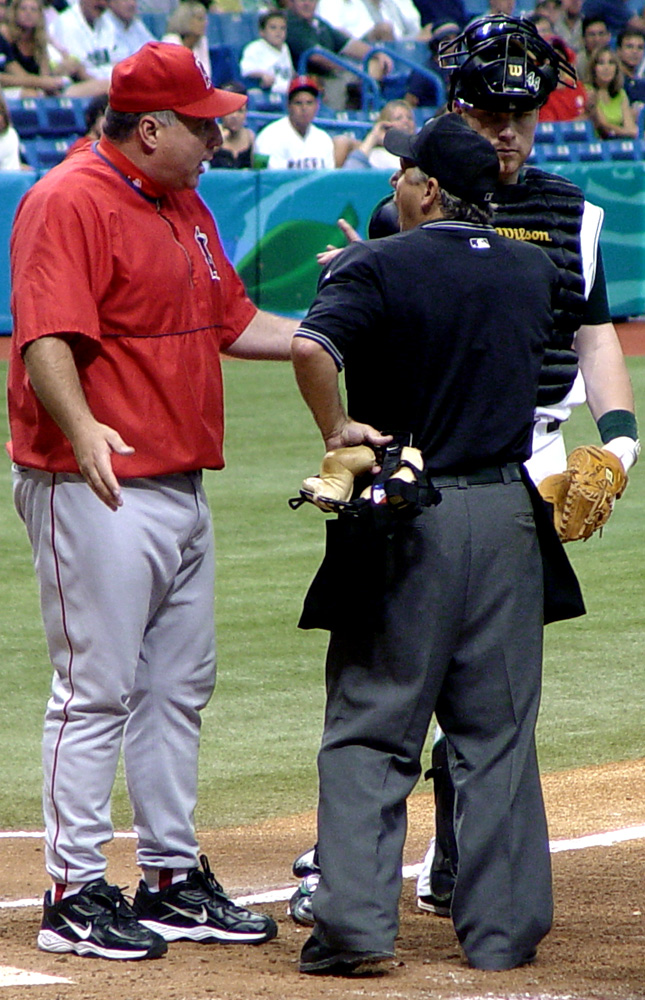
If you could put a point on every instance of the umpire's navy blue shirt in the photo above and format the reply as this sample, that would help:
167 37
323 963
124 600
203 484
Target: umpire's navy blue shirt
441 332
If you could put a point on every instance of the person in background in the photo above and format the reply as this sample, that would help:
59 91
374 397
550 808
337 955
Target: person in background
609 107
236 150
267 60
438 11
568 24
129 30
498 7
542 23
9 140
84 33
294 142
371 153
94 118
305 30
421 90
549 9
617 14
565 103
630 49
375 20
187 26
595 33
33 67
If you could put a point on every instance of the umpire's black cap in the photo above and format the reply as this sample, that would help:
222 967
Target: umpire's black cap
463 161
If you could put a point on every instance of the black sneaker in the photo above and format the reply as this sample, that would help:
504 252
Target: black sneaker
300 908
318 959
97 921
439 905
199 910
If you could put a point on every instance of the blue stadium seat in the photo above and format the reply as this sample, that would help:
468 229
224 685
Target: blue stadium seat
213 33
224 64
394 86
423 114
262 100
476 8
156 23
547 132
236 30
26 116
45 153
63 116
591 152
52 151
411 49
557 152
580 130
623 149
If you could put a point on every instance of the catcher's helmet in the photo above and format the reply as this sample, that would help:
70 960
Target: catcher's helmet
501 63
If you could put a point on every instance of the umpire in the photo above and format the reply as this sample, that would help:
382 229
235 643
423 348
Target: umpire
456 625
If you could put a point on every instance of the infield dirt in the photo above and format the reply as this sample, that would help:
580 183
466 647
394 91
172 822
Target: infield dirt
596 950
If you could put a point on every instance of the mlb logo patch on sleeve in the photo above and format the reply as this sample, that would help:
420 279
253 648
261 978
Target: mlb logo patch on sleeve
479 243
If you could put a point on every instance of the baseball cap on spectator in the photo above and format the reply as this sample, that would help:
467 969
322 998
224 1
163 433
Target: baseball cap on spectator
162 76
462 161
446 29
303 83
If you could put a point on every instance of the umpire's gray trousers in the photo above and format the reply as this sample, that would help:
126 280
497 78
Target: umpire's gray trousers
463 637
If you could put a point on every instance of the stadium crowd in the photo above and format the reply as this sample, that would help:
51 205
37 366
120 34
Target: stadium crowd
68 48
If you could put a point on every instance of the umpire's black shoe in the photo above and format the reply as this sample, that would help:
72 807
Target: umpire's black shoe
97 921
199 910
320 960
439 905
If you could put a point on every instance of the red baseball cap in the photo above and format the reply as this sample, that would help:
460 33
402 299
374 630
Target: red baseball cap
303 83
164 76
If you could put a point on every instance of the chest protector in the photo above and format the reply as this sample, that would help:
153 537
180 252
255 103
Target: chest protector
546 210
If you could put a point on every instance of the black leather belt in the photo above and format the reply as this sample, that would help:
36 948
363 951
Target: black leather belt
480 477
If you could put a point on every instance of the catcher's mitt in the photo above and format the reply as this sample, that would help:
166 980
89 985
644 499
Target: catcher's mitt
583 496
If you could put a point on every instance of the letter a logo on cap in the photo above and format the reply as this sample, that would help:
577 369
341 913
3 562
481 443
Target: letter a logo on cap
202 70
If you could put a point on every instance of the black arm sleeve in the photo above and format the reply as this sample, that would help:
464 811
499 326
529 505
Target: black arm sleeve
596 309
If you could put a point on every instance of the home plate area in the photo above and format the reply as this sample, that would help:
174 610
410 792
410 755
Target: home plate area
595 951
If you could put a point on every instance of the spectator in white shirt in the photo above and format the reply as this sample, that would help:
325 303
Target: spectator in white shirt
187 26
84 32
9 141
375 20
129 30
294 142
267 59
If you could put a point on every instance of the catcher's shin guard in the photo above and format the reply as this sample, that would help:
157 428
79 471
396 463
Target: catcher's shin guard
443 871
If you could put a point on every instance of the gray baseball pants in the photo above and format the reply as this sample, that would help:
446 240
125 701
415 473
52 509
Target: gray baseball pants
462 636
127 605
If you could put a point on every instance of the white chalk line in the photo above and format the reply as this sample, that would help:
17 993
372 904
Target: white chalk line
409 871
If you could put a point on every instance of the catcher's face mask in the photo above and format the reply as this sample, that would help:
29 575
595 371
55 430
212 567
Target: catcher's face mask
501 63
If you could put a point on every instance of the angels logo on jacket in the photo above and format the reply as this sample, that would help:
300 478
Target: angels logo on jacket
202 242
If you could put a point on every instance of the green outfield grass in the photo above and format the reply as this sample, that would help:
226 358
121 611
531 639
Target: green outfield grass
262 728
